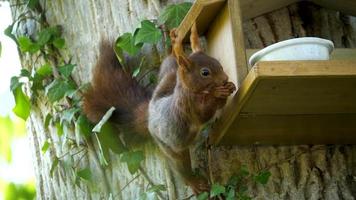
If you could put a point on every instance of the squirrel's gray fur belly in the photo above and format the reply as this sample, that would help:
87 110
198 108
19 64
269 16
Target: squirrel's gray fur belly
167 127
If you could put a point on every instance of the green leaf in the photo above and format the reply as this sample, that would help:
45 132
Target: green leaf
59 128
133 160
203 196
8 33
25 73
103 120
26 45
66 70
84 174
173 15
127 43
68 114
102 158
54 166
119 54
23 106
48 34
45 147
33 4
136 72
138 69
110 140
148 33
47 120
216 189
0 49
157 188
153 79
57 90
15 83
84 125
45 70
59 43
231 194
262 177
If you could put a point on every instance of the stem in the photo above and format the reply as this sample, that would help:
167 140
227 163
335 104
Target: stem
148 179
127 184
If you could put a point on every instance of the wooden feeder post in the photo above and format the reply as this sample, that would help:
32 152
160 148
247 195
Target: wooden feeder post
280 102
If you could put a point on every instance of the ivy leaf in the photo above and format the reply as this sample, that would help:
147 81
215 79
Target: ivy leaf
119 54
25 73
216 189
45 147
84 174
127 43
66 70
54 166
59 43
173 15
157 188
14 83
33 4
47 120
68 114
84 125
26 45
203 196
23 106
133 160
109 140
45 70
8 33
148 33
59 128
153 79
262 177
48 34
231 194
57 90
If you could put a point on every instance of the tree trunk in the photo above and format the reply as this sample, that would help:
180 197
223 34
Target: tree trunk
298 172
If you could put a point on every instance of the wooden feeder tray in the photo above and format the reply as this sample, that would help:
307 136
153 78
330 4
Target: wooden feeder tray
294 102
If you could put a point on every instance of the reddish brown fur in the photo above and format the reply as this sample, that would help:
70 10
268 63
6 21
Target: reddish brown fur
111 86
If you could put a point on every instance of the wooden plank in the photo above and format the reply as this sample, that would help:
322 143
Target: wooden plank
254 8
292 130
335 80
238 39
303 95
203 13
220 44
345 6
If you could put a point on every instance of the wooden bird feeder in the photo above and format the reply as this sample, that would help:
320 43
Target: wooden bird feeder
279 102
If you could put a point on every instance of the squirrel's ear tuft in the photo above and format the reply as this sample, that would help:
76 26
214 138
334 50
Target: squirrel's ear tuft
184 62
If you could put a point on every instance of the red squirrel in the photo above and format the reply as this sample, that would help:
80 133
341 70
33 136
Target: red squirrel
190 91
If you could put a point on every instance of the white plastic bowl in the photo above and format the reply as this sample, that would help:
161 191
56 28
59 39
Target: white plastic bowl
306 48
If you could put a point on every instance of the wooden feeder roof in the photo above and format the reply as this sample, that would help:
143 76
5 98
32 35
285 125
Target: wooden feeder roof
205 11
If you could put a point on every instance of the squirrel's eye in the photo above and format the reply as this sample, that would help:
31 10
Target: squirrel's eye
205 71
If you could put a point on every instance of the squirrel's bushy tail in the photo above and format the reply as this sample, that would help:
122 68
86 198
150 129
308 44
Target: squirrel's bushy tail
112 86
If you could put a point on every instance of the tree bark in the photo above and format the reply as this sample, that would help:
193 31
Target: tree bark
298 172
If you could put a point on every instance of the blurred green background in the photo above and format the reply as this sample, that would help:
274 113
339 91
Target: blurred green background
16 170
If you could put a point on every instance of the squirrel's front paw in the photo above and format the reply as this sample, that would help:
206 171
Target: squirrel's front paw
224 91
